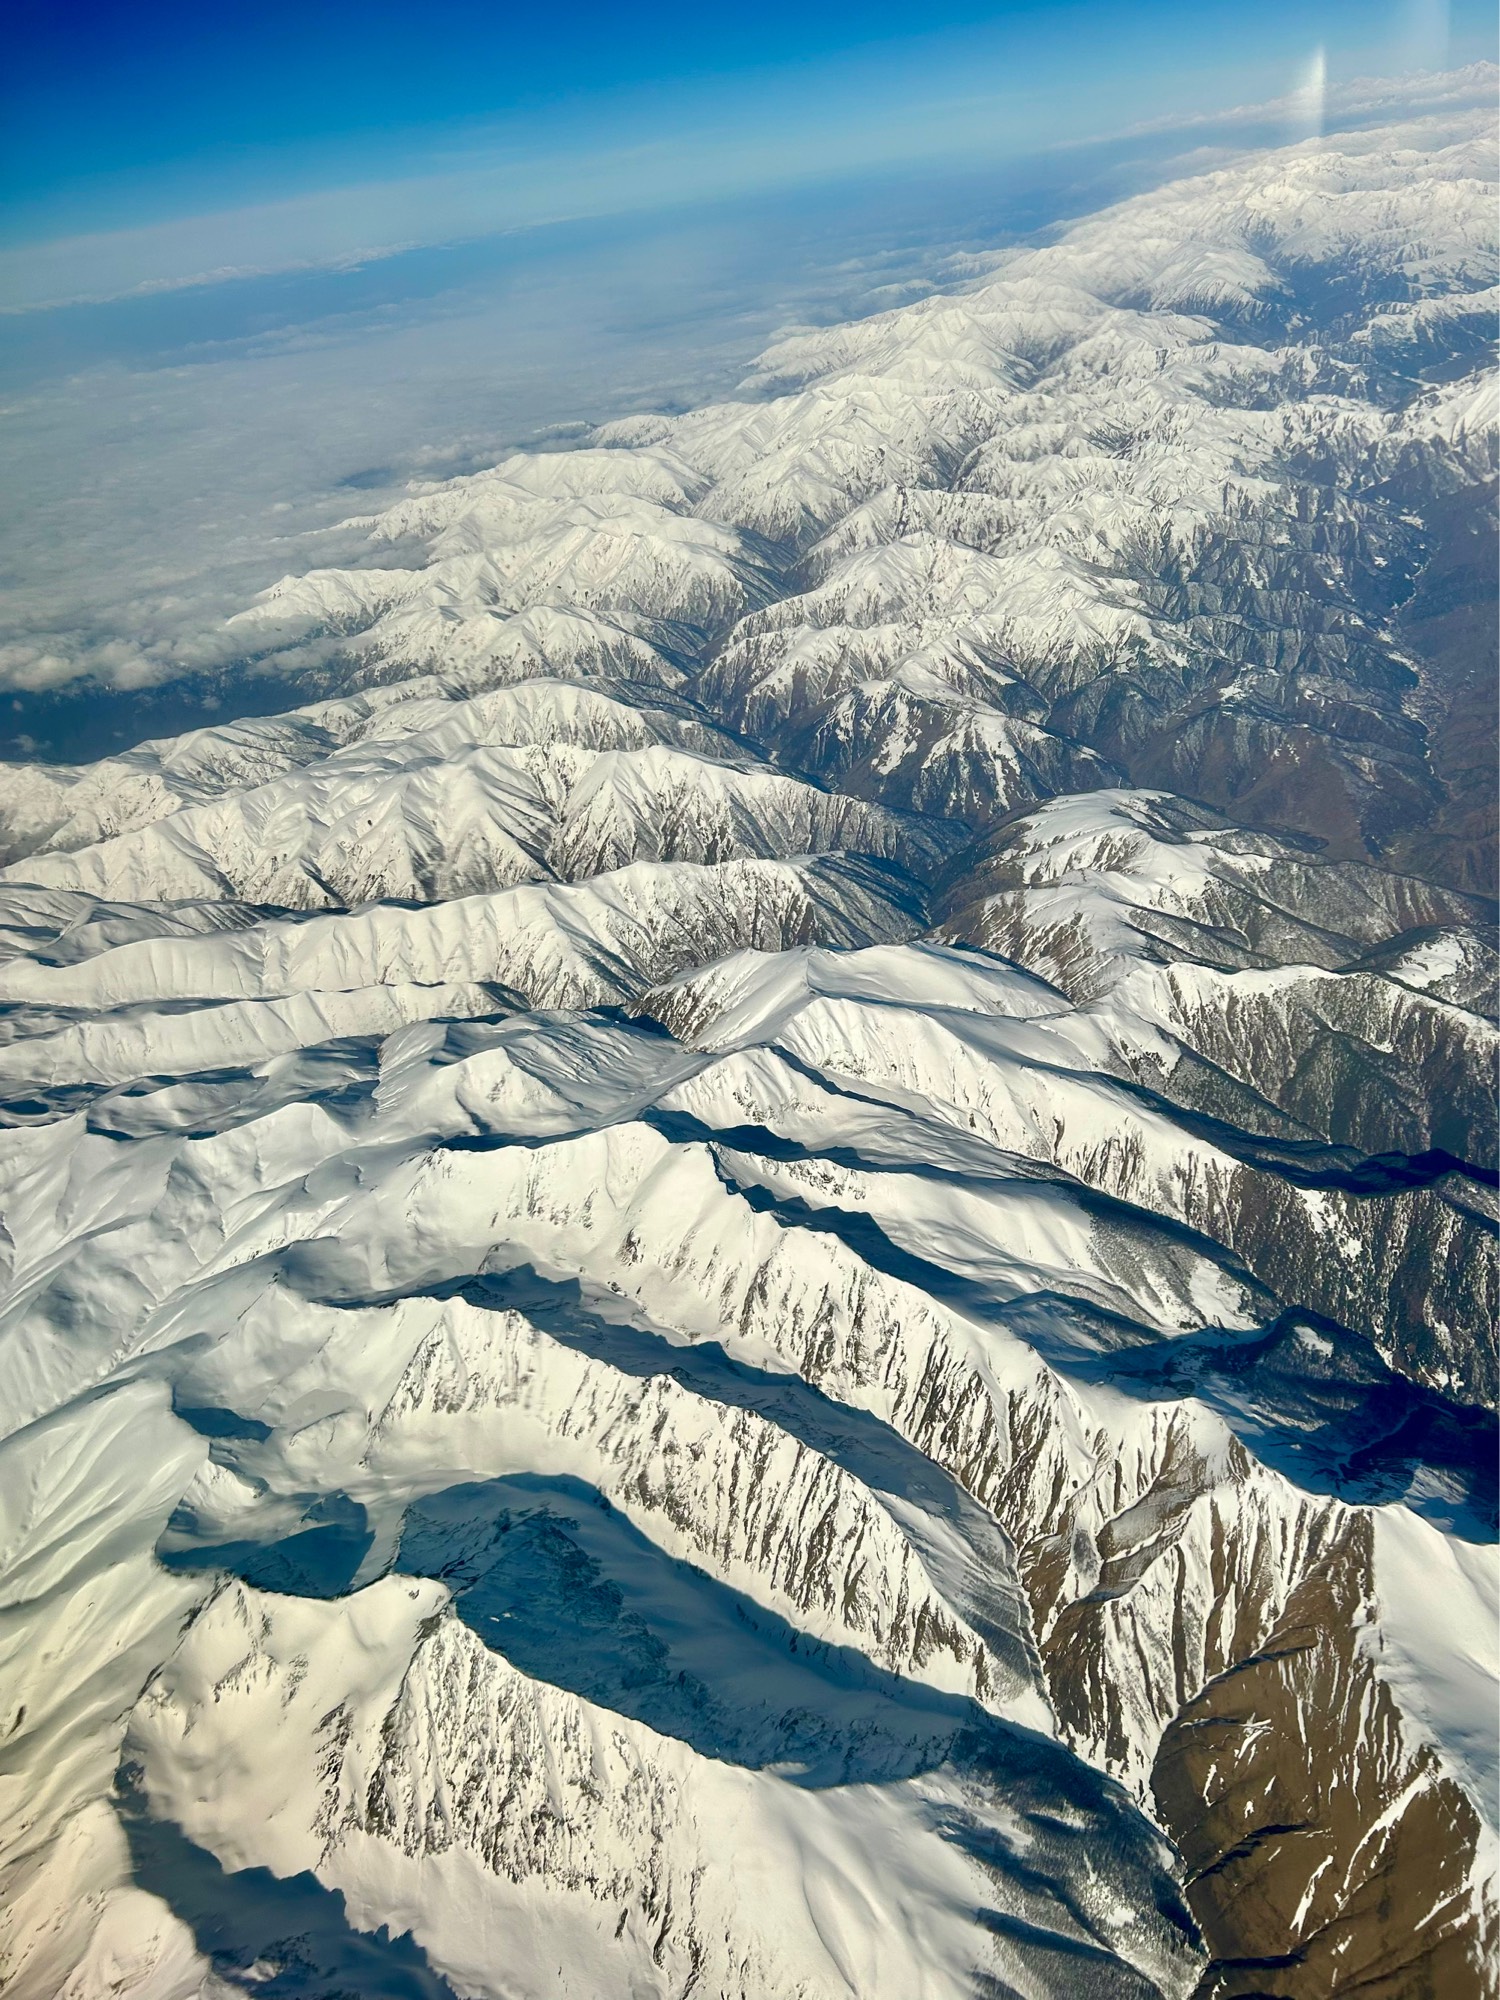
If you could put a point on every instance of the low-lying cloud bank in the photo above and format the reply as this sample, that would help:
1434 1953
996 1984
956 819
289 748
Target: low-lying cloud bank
172 454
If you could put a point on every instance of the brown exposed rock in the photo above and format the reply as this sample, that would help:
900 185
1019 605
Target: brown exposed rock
1324 1854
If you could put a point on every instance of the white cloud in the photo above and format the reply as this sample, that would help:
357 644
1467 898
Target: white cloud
944 111
1346 106
973 95
144 503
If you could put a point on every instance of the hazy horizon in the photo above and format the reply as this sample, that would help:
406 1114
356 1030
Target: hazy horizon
176 432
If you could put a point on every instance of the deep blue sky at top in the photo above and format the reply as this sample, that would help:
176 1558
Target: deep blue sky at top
258 254
116 116
95 89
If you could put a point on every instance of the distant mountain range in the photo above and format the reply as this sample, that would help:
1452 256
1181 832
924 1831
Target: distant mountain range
763 1263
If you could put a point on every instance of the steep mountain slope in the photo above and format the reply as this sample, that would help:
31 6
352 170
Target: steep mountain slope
764 1262
395 823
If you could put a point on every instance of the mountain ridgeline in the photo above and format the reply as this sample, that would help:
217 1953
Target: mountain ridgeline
761 1263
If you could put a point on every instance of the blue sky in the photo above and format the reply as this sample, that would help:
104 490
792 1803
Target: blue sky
259 266
166 143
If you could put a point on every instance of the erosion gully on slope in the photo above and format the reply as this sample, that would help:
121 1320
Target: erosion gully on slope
762 1262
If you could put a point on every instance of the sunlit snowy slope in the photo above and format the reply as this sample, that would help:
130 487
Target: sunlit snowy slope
762 1262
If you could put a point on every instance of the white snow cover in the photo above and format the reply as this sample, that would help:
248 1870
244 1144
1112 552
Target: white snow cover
1437 1612
576 1370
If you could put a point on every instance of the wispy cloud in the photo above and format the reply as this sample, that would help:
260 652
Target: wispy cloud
982 95
1361 101
493 183
145 503
89 248
168 470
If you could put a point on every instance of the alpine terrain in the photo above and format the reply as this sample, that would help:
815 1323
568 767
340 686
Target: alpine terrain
755 1256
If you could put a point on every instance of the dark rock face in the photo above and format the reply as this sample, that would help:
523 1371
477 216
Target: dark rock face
799 1188
1361 1884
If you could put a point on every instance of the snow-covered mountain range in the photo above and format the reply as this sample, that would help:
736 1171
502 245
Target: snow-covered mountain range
762 1262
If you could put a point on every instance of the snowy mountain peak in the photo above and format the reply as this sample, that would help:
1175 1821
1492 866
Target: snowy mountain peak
760 1259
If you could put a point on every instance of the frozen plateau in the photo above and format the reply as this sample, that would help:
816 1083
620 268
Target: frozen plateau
755 1258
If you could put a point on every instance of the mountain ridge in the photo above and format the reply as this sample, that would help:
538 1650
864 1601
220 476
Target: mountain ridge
763 1260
